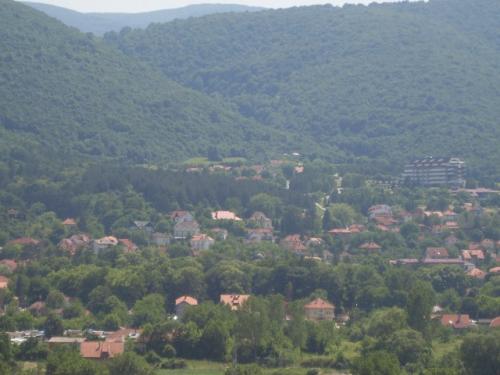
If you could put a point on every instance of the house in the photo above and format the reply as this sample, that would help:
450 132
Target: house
69 223
319 309
436 253
457 321
144 226
379 210
225 215
495 323
160 239
104 243
477 273
294 244
101 349
342 233
234 301
180 216
186 229
201 242
4 282
220 233
473 256
9 263
128 246
370 246
314 242
74 243
12 213
494 270
258 235
182 303
259 220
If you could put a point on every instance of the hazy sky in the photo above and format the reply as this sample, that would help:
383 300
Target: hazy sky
146 5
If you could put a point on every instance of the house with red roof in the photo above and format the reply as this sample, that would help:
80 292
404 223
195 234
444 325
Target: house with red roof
294 244
182 303
234 301
495 323
370 246
456 321
101 350
128 245
201 242
4 282
476 273
473 256
319 309
11 264
69 223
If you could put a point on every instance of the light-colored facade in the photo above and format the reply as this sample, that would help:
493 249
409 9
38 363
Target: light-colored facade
431 171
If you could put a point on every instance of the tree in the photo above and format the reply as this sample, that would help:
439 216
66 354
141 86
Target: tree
150 309
214 341
67 361
409 346
327 220
53 326
377 363
420 302
480 353
129 363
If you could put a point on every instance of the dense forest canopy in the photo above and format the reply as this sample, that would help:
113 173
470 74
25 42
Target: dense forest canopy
385 81
67 93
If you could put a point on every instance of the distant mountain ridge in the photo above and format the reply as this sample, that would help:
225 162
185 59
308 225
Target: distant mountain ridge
100 23
387 82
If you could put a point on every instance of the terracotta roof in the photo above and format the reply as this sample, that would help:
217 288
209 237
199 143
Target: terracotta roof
476 273
201 237
457 321
9 263
235 301
370 246
101 349
122 334
69 222
4 282
494 270
225 215
495 323
130 247
469 254
318 304
186 299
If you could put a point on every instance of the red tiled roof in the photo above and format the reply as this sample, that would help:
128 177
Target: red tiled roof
4 282
186 299
235 301
130 247
457 321
370 246
495 323
318 304
469 254
9 263
494 270
69 222
101 349
476 273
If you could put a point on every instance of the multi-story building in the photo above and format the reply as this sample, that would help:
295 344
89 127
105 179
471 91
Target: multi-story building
432 171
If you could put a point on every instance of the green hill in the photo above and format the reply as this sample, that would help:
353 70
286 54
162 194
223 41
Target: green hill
100 23
69 96
387 82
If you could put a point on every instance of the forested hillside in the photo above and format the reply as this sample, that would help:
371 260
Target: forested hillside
68 96
389 82
99 23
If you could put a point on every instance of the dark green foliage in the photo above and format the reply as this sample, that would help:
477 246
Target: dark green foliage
377 363
66 96
388 81
479 353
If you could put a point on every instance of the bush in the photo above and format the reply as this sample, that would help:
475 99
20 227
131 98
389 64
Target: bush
312 371
174 364
244 370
